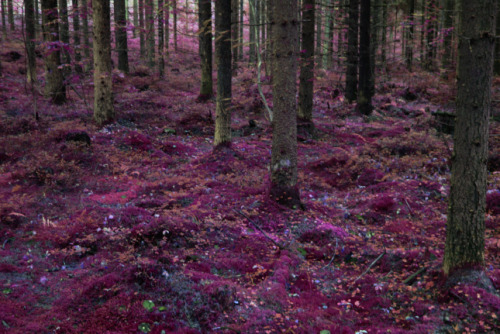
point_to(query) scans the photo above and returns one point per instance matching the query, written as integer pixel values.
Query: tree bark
(409, 30)
(161, 41)
(55, 89)
(464, 251)
(205, 48)
(121, 35)
(76, 36)
(142, 40)
(174, 9)
(352, 52)
(64, 30)
(86, 38)
(234, 32)
(307, 64)
(135, 18)
(284, 33)
(11, 15)
(4, 23)
(150, 32)
(251, 34)
(30, 41)
(167, 25)
(224, 72)
(448, 32)
(103, 87)
(365, 73)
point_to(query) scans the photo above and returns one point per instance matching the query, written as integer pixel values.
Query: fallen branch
(335, 251)
(370, 266)
(410, 279)
(261, 230)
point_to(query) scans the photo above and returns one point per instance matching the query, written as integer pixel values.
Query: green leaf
(162, 308)
(325, 331)
(148, 304)
(302, 251)
(145, 327)
(6, 291)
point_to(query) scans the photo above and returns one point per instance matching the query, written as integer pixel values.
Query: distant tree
(224, 72)
(167, 25)
(409, 31)
(174, 12)
(4, 24)
(431, 34)
(86, 38)
(11, 14)
(76, 36)
(448, 34)
(103, 86)
(55, 89)
(150, 31)
(64, 31)
(383, 37)
(29, 14)
(234, 31)
(307, 65)
(374, 44)
(121, 35)
(161, 41)
(142, 40)
(135, 18)
(251, 34)
(465, 239)
(365, 72)
(352, 52)
(319, 31)
(284, 33)
(205, 48)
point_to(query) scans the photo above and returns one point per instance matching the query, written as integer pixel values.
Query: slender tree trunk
(284, 33)
(175, 24)
(86, 38)
(135, 18)
(431, 33)
(55, 89)
(76, 36)
(30, 41)
(104, 111)
(352, 52)
(383, 42)
(234, 33)
(222, 135)
(307, 65)
(11, 15)
(251, 41)
(377, 6)
(319, 31)
(167, 25)
(409, 35)
(240, 48)
(328, 61)
(448, 33)
(64, 30)
(205, 48)
(142, 40)
(464, 251)
(4, 24)
(150, 31)
(365, 73)
(121, 35)
(161, 41)
(38, 28)
(497, 46)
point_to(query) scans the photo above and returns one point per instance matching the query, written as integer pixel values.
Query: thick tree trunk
(319, 31)
(284, 33)
(448, 33)
(54, 86)
(76, 36)
(150, 31)
(352, 52)
(142, 40)
(30, 41)
(223, 55)
(4, 23)
(161, 44)
(375, 29)
(174, 9)
(365, 73)
(234, 33)
(240, 48)
(409, 30)
(307, 64)
(121, 35)
(383, 40)
(464, 252)
(135, 18)
(497, 46)
(205, 48)
(64, 28)
(103, 87)
(86, 37)
(251, 35)
(11, 15)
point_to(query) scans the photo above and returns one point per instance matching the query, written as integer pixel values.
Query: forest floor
(142, 228)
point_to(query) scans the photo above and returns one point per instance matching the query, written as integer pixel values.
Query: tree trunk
(121, 35)
(142, 40)
(55, 89)
(352, 52)
(251, 36)
(307, 64)
(328, 53)
(431, 34)
(205, 48)
(234, 33)
(161, 41)
(30, 41)
(64, 28)
(383, 41)
(240, 48)
(167, 25)
(223, 55)
(103, 87)
(11, 15)
(497, 46)
(174, 9)
(37, 17)
(86, 39)
(284, 33)
(409, 35)
(4, 23)
(448, 33)
(150, 31)
(76, 36)
(377, 6)
(365, 73)
(464, 251)
(319, 31)
(135, 18)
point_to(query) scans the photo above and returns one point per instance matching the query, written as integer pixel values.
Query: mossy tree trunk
(351, 86)
(205, 48)
(284, 33)
(224, 72)
(365, 73)
(121, 41)
(55, 89)
(307, 63)
(167, 25)
(464, 251)
(104, 111)
(29, 12)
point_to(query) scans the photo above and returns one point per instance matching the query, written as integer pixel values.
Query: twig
(258, 227)
(409, 208)
(370, 266)
(335, 251)
(412, 277)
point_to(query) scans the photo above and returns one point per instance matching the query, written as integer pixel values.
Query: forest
(249, 166)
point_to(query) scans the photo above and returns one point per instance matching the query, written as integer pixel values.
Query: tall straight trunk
(383, 40)
(431, 34)
(103, 86)
(284, 33)
(174, 9)
(251, 36)
(448, 27)
(234, 32)
(161, 41)
(240, 48)
(55, 89)
(86, 38)
(11, 14)
(205, 48)
(328, 62)
(377, 6)
(307, 64)
(4, 24)
(76, 36)
(409, 31)
(37, 16)
(365, 73)
(30, 41)
(121, 35)
(423, 28)
(222, 135)
(142, 40)
(135, 18)
(464, 250)
(150, 32)
(352, 52)
(497, 47)
(167, 25)
(319, 31)
(64, 27)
